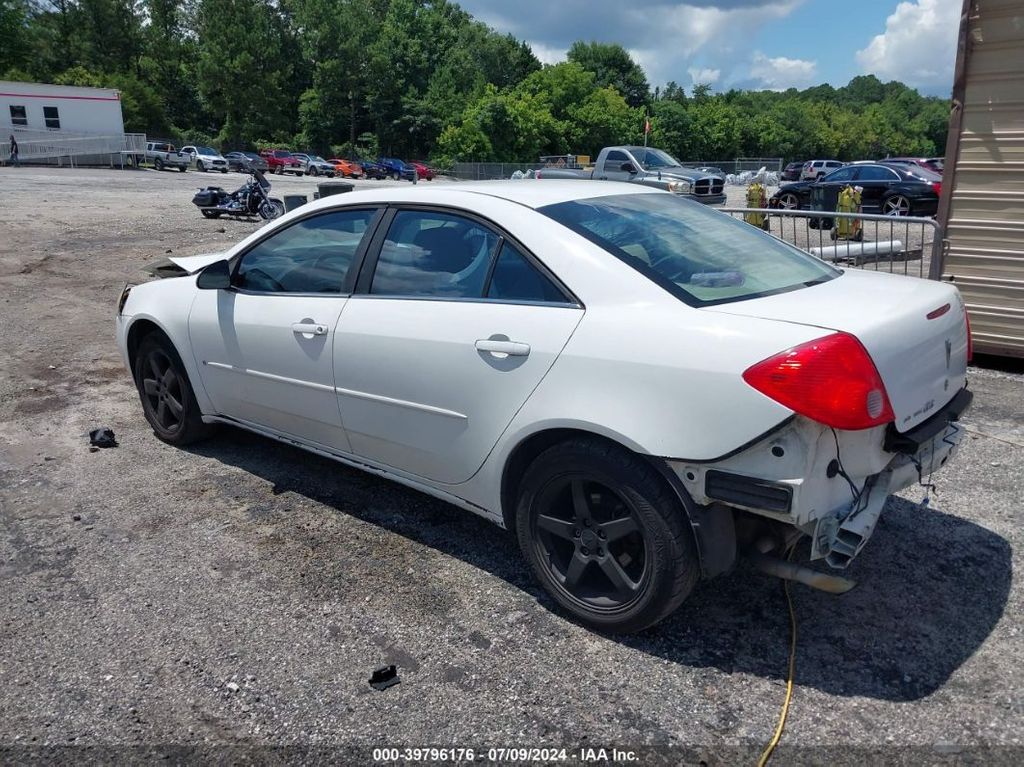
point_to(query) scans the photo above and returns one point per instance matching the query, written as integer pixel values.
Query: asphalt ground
(228, 602)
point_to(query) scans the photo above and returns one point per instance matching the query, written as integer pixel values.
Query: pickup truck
(281, 161)
(650, 167)
(163, 155)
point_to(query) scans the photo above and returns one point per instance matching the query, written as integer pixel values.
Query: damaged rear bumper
(831, 485)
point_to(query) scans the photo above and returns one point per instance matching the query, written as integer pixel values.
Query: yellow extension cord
(767, 753)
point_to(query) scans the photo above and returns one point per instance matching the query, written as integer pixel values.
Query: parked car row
(203, 158)
(889, 187)
(812, 170)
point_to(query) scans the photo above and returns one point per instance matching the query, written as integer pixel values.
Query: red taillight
(831, 380)
(937, 187)
(970, 341)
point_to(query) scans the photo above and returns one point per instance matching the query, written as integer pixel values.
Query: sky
(753, 44)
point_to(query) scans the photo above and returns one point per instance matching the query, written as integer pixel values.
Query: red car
(422, 170)
(281, 161)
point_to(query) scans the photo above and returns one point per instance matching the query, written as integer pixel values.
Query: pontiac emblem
(949, 351)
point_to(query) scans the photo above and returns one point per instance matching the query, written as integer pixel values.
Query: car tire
(897, 205)
(168, 401)
(158, 164)
(601, 516)
(223, 170)
(788, 201)
(182, 168)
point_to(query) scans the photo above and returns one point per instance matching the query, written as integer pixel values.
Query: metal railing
(897, 244)
(38, 146)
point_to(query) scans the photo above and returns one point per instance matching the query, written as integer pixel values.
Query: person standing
(14, 151)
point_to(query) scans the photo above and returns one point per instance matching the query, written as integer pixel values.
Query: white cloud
(918, 46)
(778, 73)
(667, 37)
(548, 54)
(704, 75)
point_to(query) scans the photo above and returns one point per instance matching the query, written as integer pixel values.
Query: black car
(244, 162)
(792, 171)
(893, 190)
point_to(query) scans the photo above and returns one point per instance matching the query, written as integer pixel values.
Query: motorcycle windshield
(261, 178)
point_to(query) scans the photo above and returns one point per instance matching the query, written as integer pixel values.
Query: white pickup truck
(650, 167)
(163, 155)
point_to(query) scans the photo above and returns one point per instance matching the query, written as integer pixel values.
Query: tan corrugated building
(982, 206)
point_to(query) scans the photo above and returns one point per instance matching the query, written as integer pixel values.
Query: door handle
(309, 329)
(511, 348)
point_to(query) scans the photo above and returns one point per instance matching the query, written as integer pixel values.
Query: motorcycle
(251, 199)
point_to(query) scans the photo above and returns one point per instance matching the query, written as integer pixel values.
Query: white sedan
(640, 387)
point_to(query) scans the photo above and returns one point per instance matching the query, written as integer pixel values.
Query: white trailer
(33, 107)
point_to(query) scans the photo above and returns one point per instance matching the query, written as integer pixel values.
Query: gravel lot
(241, 592)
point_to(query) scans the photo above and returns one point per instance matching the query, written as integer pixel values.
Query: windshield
(654, 158)
(206, 150)
(251, 155)
(316, 158)
(699, 255)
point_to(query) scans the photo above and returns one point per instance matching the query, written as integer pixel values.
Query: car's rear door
(452, 326)
(264, 347)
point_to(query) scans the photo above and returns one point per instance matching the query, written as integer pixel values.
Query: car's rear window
(700, 255)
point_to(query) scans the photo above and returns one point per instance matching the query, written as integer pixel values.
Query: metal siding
(985, 227)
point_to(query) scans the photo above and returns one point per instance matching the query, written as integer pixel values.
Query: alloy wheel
(788, 201)
(162, 389)
(897, 205)
(592, 543)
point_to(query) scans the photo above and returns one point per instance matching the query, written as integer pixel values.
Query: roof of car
(532, 193)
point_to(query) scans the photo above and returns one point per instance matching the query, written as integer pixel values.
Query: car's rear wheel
(200, 166)
(158, 164)
(168, 401)
(605, 535)
(182, 168)
(896, 205)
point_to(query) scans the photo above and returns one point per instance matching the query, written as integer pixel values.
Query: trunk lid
(918, 346)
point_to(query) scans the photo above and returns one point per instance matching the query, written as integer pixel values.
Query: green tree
(243, 74)
(613, 66)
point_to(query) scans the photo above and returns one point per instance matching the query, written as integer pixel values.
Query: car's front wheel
(167, 399)
(605, 535)
(788, 201)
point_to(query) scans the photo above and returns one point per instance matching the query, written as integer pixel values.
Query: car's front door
(451, 328)
(613, 166)
(833, 184)
(875, 180)
(264, 347)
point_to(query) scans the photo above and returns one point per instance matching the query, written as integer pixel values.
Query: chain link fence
(484, 171)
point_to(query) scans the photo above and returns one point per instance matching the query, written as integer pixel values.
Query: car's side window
(516, 279)
(427, 253)
(310, 256)
(843, 174)
(877, 173)
(616, 156)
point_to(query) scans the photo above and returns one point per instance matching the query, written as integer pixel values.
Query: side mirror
(216, 276)
(629, 167)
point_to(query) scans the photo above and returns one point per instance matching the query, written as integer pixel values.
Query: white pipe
(854, 249)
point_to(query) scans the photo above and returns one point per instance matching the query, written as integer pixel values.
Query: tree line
(422, 78)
